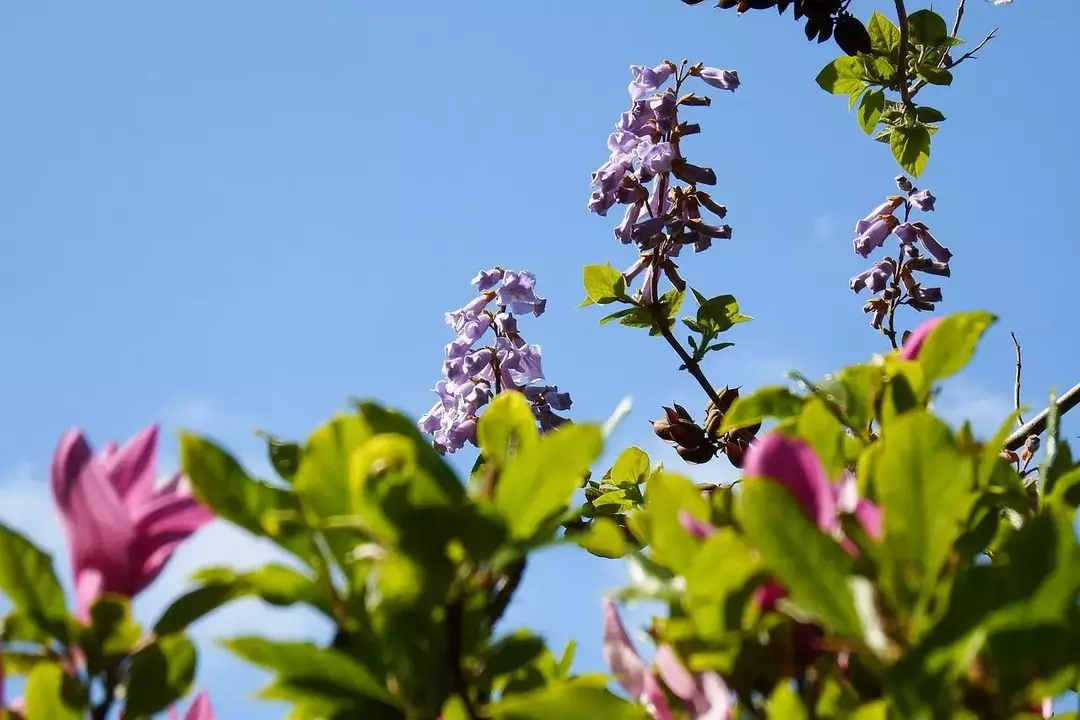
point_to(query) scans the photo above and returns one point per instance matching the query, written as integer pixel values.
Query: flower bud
(696, 455)
(717, 78)
(904, 184)
(692, 173)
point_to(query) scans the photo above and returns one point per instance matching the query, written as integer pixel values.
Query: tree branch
(1016, 383)
(1037, 424)
(901, 65)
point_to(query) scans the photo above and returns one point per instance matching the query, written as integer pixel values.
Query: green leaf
(52, 694)
(951, 345)
(274, 584)
(719, 575)
(284, 456)
(842, 76)
(911, 148)
(631, 468)
(885, 135)
(566, 701)
(884, 35)
(873, 104)
(630, 313)
(927, 114)
(936, 76)
(18, 628)
(112, 633)
(603, 284)
(925, 487)
(29, 581)
(824, 433)
(785, 701)
(603, 538)
(507, 428)
(221, 484)
(158, 675)
(666, 496)
(773, 401)
(306, 671)
(539, 481)
(811, 565)
(926, 27)
(719, 314)
(509, 653)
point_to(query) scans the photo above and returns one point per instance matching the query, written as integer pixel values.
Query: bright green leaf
(574, 700)
(507, 428)
(306, 670)
(631, 468)
(810, 564)
(925, 486)
(873, 103)
(159, 674)
(52, 694)
(773, 401)
(666, 496)
(721, 570)
(539, 481)
(884, 35)
(842, 76)
(785, 701)
(603, 283)
(29, 581)
(911, 148)
(603, 538)
(951, 344)
(112, 632)
(284, 456)
(221, 484)
(719, 314)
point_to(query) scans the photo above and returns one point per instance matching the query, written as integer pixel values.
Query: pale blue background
(231, 215)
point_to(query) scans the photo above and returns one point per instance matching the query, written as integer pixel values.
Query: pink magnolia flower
(198, 710)
(915, 340)
(705, 696)
(121, 529)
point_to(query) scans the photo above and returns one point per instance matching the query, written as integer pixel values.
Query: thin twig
(966, 56)
(959, 18)
(1037, 424)
(1016, 384)
(506, 591)
(901, 65)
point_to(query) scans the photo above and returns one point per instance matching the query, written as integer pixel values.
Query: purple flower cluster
(472, 375)
(644, 148)
(895, 280)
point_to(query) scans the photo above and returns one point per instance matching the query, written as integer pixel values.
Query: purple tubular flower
(656, 157)
(624, 230)
(518, 292)
(663, 107)
(875, 235)
(487, 279)
(924, 200)
(928, 294)
(885, 208)
(505, 323)
(936, 249)
(720, 79)
(647, 79)
(874, 278)
(643, 232)
(907, 232)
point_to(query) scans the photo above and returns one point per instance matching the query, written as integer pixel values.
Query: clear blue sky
(234, 215)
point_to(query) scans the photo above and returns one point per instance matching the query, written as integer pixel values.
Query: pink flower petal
(654, 698)
(698, 528)
(913, 345)
(619, 653)
(200, 709)
(96, 522)
(718, 696)
(793, 464)
(132, 469)
(159, 529)
(675, 675)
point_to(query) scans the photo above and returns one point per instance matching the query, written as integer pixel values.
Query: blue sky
(230, 216)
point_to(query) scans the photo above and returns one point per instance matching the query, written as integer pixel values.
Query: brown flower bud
(735, 452)
(1009, 456)
(692, 100)
(696, 455)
